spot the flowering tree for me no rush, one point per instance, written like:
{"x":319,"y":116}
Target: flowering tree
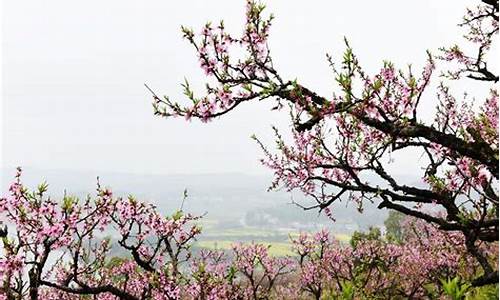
{"x":341,"y":141}
{"x":377,"y":269}
{"x":251,"y":273}
{"x":60,"y":249}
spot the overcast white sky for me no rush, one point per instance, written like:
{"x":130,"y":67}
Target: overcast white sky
{"x":73,"y":74}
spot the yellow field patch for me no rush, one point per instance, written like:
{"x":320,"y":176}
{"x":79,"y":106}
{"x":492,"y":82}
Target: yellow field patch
{"x":275,"y":249}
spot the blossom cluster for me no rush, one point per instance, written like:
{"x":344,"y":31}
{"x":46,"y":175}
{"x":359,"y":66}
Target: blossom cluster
{"x":220,"y":57}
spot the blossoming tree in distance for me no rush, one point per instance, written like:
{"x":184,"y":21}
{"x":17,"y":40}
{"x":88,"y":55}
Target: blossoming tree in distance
{"x":342,"y":143}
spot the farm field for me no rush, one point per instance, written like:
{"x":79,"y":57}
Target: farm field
{"x":218,"y":237}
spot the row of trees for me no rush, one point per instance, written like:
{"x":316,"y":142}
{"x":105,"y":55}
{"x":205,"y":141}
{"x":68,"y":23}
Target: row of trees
{"x":64,"y":250}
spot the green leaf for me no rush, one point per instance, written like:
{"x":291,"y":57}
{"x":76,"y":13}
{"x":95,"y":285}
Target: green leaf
{"x":177,"y":215}
{"x":42,"y":188}
{"x":377,"y":85}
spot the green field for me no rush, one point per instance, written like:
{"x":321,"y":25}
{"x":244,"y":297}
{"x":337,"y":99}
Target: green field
{"x":215,"y":236}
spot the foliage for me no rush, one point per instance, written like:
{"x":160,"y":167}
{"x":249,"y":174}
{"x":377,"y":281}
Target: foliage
{"x":373,"y":234}
{"x":393,"y":226}
{"x":455,"y":289}
{"x":489,"y":292}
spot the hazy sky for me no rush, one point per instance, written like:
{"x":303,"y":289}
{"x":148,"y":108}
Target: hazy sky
{"x":73,"y":74}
